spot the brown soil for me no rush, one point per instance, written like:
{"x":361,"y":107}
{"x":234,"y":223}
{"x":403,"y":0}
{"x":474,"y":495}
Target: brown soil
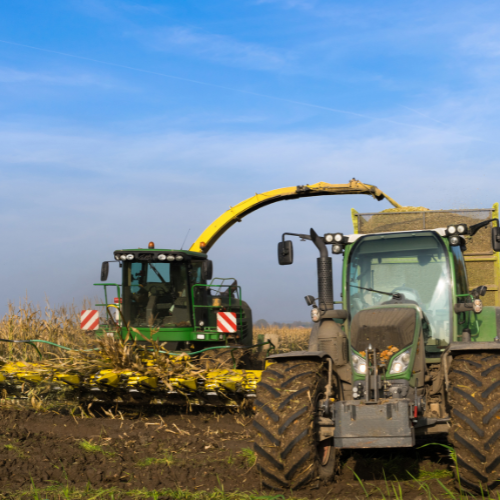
{"x":192,"y":451}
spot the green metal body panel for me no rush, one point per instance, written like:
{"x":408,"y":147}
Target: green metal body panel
{"x":167,"y":334}
{"x":487,"y":323}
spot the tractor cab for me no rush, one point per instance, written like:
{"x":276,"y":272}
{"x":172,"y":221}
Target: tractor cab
{"x":408,"y":268}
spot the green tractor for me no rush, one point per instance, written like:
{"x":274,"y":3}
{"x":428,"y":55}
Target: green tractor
{"x":411,"y":352}
{"x":169,"y":296}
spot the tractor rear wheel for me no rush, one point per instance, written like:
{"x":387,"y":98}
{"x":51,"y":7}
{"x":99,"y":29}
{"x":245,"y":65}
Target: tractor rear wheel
{"x":474,"y":397}
{"x":289,"y":453}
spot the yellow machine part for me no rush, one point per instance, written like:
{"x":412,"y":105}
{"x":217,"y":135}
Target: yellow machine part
{"x":71,"y":379}
{"x":220,"y":225}
{"x":224,"y":382}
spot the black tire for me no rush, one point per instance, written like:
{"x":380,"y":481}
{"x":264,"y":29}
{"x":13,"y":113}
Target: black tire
{"x":286,"y":441}
{"x":474,"y":398}
{"x":219,"y":359}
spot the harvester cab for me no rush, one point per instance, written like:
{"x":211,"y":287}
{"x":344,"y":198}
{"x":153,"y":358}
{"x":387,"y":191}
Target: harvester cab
{"x":412,"y":351}
{"x":170,"y":296}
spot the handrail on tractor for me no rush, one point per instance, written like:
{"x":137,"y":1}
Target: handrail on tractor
{"x":237,"y":302}
{"x":105,"y":285}
{"x":220,"y":225}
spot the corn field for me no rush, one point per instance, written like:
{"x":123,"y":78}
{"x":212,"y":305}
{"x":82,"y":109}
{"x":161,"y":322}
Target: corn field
{"x":61,"y":325}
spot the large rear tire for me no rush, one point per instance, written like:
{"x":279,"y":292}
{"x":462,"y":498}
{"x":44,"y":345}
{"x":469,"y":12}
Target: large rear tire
{"x":474,"y":397}
{"x":289,"y":454}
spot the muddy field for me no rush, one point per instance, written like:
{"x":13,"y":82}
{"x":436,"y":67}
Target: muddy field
{"x":190,"y":452}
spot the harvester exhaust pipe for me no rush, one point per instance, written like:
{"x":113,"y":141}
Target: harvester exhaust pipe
{"x":325,"y":274}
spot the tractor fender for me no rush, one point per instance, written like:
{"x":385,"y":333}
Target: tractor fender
{"x":473,"y":346}
{"x":318,"y":355}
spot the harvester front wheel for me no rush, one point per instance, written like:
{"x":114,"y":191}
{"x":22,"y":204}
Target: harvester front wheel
{"x":474,"y":397}
{"x":289,"y":453}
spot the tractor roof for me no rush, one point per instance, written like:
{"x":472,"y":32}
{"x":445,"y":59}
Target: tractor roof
{"x":195,"y":255}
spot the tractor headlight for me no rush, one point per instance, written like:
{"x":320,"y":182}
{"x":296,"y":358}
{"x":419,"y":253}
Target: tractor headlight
{"x":451,"y":229}
{"x":358,"y":363}
{"x":179,"y":257}
{"x":328,"y":238}
{"x":337,"y":249}
{"x":162,"y":257}
{"x":461,"y":229}
{"x":315,"y":314}
{"x":130,"y":256}
{"x":454,"y":241}
{"x":123,"y":257}
{"x":339,"y":237}
{"x":117,"y":257}
{"x":400,"y":362}
{"x":170,"y":258}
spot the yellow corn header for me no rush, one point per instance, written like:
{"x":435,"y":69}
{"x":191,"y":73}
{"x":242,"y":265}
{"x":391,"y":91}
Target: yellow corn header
{"x":223,"y":386}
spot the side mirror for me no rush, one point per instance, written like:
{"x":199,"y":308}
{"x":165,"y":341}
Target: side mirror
{"x":207,"y":270}
{"x":479,"y":291}
{"x":104,"y":271}
{"x":285,"y":253}
{"x":310,"y":300}
{"x":495,"y":239}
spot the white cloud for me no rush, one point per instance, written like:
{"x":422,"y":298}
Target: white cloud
{"x":483,"y":43}
{"x":290,"y":4}
{"x":11,"y":75}
{"x":219,"y":48}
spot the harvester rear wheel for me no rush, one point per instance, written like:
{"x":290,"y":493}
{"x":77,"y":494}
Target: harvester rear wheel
{"x":289,"y":454}
{"x":474,"y":397}
{"x":219,"y":359}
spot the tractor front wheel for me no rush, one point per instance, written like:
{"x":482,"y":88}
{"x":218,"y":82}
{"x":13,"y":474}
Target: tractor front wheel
{"x":289,"y":453}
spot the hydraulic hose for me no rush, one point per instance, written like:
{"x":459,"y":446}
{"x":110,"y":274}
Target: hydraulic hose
{"x":32,"y":343}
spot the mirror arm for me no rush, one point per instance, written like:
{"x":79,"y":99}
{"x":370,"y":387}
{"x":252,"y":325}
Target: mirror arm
{"x":301,"y":236}
{"x":476,"y":227}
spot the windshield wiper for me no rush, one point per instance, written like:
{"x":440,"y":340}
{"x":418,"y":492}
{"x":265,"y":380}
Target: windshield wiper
{"x":157,"y":273}
{"x":393,"y":295}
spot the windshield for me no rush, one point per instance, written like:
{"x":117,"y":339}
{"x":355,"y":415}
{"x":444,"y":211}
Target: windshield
{"x":414,"y":264}
{"x":156,"y":294}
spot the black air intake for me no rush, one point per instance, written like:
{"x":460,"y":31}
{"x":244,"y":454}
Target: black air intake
{"x":325,"y":282}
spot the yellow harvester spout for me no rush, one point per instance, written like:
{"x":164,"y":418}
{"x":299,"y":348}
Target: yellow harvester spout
{"x":220,"y":225}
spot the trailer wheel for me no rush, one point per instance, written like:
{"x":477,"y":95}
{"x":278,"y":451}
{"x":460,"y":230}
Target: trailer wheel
{"x":474,"y":397}
{"x":289,"y":454}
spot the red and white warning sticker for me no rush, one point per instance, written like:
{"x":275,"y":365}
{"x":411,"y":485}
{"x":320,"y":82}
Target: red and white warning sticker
{"x":226,"y":322}
{"x":89,"y":320}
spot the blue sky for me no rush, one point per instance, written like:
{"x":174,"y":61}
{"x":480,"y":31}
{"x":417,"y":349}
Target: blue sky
{"x":124,"y":122}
